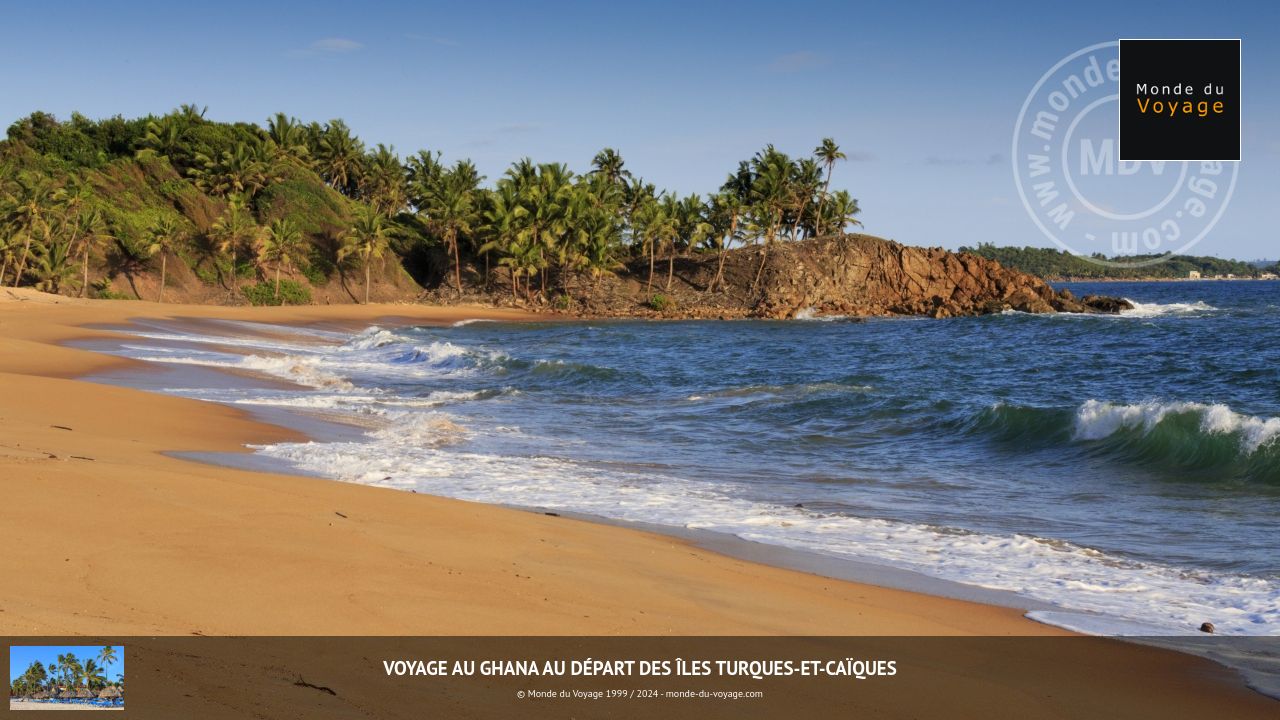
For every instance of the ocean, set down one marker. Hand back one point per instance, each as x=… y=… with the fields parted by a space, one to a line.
x=1122 y=469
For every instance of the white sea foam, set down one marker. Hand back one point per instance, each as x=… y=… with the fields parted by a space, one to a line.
x=1147 y=310
x=1139 y=310
x=376 y=403
x=1096 y=420
x=426 y=457
x=810 y=313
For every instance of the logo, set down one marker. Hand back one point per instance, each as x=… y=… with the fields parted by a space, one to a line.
x=1082 y=196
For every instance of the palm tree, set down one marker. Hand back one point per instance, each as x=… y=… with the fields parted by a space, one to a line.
x=163 y=137
x=164 y=234
x=839 y=213
x=242 y=171
x=35 y=199
x=502 y=225
x=92 y=229
x=771 y=191
x=424 y=172
x=608 y=163
x=91 y=675
x=683 y=223
x=367 y=240
x=287 y=139
x=69 y=668
x=383 y=181
x=76 y=217
x=827 y=153
x=452 y=210
x=35 y=675
x=523 y=260
x=230 y=232
x=544 y=191
x=726 y=209
x=806 y=174
x=106 y=656
x=280 y=245
x=651 y=225
x=11 y=237
x=53 y=266
x=341 y=155
x=597 y=235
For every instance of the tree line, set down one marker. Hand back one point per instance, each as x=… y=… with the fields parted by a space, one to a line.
x=541 y=227
x=68 y=673
x=1057 y=265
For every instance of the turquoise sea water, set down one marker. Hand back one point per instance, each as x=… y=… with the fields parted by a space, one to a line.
x=1124 y=468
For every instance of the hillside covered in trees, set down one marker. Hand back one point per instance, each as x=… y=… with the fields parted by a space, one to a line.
x=1052 y=264
x=181 y=207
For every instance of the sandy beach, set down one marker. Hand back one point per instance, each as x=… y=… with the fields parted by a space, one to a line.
x=106 y=534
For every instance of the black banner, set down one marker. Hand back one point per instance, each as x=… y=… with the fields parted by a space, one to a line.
x=650 y=677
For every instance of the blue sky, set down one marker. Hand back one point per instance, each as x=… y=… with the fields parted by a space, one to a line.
x=923 y=96
x=21 y=657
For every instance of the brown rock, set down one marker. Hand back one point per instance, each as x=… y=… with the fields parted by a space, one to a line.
x=1105 y=304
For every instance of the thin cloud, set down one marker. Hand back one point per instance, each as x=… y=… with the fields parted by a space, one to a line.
x=797 y=62
x=860 y=156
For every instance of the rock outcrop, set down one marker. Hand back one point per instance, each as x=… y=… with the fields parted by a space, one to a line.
x=849 y=275
x=863 y=275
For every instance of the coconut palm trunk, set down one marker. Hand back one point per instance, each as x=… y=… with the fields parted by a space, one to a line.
x=651 y=262
x=164 y=273
x=457 y=262
x=795 y=226
x=773 y=230
x=671 y=267
x=826 y=188
x=22 y=264
x=724 y=251
x=84 y=284
x=764 y=255
x=278 y=281
x=366 y=281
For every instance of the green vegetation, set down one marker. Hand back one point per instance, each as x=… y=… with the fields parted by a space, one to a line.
x=86 y=201
x=279 y=292
x=1057 y=265
x=662 y=303
x=68 y=673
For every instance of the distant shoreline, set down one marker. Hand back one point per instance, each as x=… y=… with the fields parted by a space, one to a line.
x=1155 y=279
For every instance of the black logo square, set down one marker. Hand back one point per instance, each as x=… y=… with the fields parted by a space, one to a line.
x=1179 y=100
